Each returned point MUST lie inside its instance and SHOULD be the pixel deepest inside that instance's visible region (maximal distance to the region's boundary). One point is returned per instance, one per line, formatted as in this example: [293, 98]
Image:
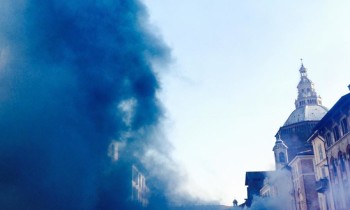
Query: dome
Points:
[306, 113]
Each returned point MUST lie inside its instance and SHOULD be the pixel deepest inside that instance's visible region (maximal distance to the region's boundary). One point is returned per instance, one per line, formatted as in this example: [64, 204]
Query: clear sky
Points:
[232, 82]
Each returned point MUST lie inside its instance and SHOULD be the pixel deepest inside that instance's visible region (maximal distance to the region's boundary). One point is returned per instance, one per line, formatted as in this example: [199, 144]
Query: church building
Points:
[312, 156]
[299, 125]
[292, 150]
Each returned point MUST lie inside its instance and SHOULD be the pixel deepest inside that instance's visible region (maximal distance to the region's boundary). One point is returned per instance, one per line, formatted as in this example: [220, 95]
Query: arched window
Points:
[342, 161]
[334, 166]
[348, 154]
[328, 139]
[282, 157]
[344, 126]
[320, 152]
[336, 133]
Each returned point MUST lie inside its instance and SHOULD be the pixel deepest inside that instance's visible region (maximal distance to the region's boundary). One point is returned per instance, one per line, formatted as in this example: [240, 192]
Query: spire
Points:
[306, 91]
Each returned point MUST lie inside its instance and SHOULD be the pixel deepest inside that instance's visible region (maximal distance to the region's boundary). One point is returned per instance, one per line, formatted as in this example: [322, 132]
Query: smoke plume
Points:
[75, 78]
[280, 195]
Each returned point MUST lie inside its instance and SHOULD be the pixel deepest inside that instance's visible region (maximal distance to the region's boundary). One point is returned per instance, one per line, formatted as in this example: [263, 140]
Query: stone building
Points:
[304, 182]
[325, 196]
[334, 131]
[134, 187]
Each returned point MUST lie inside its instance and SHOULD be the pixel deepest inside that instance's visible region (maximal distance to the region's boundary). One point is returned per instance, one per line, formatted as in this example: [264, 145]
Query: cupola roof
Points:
[279, 143]
[308, 105]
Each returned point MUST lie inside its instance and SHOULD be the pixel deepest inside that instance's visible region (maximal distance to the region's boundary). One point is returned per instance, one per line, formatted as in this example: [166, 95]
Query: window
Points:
[348, 155]
[323, 170]
[336, 133]
[344, 126]
[328, 139]
[342, 162]
[320, 152]
[334, 166]
[282, 157]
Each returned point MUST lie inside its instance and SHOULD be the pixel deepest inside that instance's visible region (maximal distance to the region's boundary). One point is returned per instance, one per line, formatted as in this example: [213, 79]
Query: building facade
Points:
[135, 190]
[304, 183]
[325, 197]
[139, 189]
[334, 131]
[254, 180]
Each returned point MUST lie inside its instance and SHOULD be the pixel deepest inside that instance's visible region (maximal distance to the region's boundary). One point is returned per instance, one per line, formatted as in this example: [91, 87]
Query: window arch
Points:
[344, 126]
[336, 133]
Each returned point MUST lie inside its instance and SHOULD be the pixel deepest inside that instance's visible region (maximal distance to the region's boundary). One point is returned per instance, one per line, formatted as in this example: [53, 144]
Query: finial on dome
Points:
[302, 69]
[278, 138]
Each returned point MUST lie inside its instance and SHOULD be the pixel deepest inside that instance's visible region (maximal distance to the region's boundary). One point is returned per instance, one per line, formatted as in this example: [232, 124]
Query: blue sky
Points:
[232, 82]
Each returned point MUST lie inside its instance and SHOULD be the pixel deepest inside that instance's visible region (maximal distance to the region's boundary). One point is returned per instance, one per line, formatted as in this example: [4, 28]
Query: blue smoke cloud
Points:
[75, 76]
